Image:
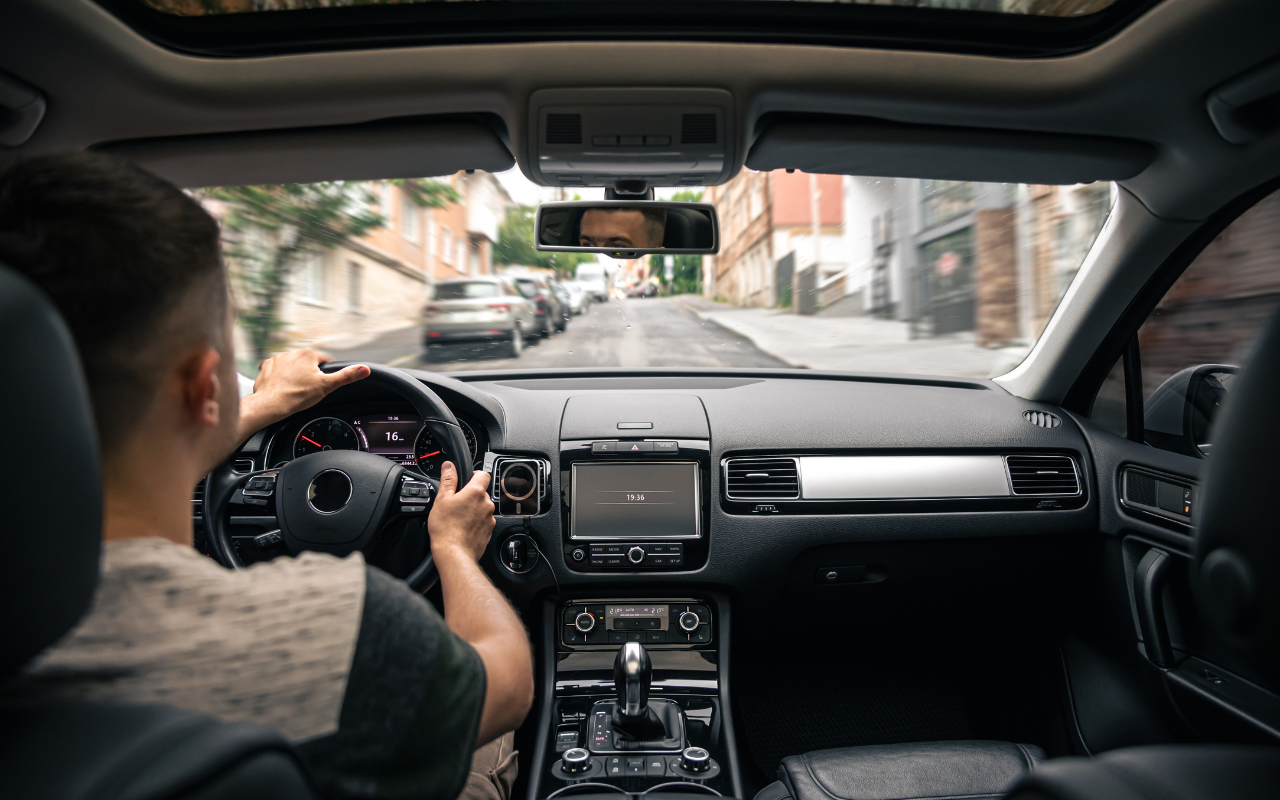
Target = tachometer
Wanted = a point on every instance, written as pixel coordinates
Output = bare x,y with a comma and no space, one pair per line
429,453
325,433
472,444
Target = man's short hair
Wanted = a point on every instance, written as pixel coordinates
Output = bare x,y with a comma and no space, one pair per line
655,221
132,263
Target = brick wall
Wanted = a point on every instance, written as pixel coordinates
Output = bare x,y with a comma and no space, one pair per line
996,277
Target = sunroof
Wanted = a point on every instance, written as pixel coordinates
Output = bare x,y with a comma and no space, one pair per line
1039,8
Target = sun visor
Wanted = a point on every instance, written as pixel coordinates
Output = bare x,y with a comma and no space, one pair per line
876,147
372,151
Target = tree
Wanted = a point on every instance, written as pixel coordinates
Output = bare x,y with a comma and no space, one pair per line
516,245
687,272
272,229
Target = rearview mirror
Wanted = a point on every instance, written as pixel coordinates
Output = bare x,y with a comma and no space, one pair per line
628,228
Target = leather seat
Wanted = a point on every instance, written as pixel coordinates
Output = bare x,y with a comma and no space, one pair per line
51,492
974,770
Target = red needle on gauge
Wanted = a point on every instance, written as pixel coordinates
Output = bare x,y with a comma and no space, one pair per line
313,441
429,455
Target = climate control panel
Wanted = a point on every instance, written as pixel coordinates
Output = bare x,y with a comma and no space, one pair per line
651,623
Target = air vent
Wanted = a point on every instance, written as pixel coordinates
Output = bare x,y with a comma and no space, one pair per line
1042,419
698,129
1043,475
197,500
242,465
762,479
564,129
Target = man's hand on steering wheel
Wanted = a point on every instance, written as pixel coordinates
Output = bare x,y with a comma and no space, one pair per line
461,519
287,384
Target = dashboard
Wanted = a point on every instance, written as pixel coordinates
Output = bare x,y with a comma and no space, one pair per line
391,430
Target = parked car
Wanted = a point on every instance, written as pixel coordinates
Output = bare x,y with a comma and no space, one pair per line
478,309
579,300
546,305
562,294
643,290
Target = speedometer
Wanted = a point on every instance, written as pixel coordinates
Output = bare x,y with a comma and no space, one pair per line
429,453
472,444
325,433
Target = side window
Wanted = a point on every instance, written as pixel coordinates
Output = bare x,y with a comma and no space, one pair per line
1200,334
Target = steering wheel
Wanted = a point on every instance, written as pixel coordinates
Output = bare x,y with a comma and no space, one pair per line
338,501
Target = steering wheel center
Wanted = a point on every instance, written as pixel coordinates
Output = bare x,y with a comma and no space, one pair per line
330,491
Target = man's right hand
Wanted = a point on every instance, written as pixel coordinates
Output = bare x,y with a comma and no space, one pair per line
461,519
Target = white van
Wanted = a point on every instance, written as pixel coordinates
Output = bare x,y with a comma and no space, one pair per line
594,280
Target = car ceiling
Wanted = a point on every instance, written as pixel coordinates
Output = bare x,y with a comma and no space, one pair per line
106,84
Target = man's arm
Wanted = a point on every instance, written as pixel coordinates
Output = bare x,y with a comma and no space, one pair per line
460,525
288,383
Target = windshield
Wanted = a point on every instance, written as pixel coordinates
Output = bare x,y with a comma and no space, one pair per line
464,291
829,272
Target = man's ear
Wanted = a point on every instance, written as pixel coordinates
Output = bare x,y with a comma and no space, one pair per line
201,386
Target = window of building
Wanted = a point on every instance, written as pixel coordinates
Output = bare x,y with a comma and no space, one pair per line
446,247
311,279
386,197
943,200
353,286
410,216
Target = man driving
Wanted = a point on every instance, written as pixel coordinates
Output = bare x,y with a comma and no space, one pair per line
381,695
623,228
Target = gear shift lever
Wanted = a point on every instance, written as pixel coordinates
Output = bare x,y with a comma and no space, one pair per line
632,717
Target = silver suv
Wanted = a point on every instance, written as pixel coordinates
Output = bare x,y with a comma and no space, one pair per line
477,310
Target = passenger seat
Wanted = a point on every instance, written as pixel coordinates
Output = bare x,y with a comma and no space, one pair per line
974,770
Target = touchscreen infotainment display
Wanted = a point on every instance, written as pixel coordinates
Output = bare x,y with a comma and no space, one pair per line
635,501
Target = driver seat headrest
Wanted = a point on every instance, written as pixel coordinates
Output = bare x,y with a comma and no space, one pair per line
50,482
1237,537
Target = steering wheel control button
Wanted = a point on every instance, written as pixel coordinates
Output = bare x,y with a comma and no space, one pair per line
415,492
518,553
635,555
263,485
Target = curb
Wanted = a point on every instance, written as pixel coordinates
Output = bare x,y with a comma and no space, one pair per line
698,313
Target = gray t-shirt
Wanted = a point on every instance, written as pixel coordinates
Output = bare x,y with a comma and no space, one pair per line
360,672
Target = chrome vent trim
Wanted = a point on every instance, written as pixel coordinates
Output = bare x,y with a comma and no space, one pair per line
242,465
762,478
1042,419
197,500
1055,476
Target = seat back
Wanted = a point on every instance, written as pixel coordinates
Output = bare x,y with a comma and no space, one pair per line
1237,536
50,487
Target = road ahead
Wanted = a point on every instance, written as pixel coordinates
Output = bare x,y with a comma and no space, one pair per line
619,333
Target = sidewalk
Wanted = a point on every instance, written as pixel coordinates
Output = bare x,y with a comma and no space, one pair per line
862,344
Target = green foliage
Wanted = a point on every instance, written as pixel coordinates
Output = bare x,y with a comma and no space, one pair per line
516,245
272,229
687,196
686,275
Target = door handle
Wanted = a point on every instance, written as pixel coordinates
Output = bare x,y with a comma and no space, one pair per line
1149,580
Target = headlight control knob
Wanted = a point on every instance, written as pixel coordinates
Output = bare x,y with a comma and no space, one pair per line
585,622
635,555
576,760
688,622
695,759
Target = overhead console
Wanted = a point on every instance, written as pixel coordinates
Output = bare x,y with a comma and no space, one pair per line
879,483
635,478
656,137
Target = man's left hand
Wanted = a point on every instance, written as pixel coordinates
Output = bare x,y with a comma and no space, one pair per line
288,383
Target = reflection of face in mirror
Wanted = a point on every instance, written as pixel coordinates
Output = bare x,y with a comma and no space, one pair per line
623,228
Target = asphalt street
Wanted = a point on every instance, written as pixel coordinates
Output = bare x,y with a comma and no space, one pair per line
636,332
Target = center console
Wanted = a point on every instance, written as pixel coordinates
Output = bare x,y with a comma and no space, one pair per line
639,698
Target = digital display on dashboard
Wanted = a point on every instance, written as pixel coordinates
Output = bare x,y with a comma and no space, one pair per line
642,616
635,501
389,435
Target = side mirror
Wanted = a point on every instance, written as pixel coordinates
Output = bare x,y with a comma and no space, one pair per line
627,228
1179,414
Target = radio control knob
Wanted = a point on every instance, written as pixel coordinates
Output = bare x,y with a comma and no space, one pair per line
688,622
585,622
575,761
635,555
695,759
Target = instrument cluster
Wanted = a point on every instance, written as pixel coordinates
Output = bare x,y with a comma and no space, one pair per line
390,433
